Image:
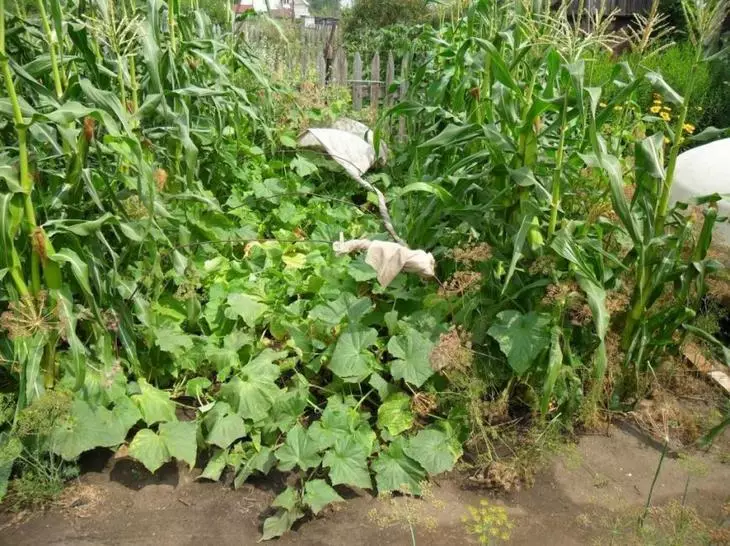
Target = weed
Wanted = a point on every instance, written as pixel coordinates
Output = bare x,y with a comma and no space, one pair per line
407,512
488,523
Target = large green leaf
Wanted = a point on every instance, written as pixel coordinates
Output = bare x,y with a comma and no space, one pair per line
226,430
216,465
280,523
348,465
394,415
318,494
173,340
252,394
351,359
395,471
412,353
346,305
245,307
299,449
149,449
89,427
521,337
154,404
432,450
180,439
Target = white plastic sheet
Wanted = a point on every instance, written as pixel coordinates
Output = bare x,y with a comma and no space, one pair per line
705,170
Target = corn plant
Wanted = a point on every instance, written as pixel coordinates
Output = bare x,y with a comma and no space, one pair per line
525,157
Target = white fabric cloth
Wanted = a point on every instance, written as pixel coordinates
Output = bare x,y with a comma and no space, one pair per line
389,259
354,154
364,132
705,170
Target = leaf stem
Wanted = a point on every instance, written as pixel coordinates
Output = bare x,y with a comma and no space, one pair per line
558,173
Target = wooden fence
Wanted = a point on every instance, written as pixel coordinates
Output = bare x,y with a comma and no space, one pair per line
376,82
372,83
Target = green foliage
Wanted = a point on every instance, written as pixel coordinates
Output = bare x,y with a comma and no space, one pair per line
538,137
709,80
325,8
160,236
366,14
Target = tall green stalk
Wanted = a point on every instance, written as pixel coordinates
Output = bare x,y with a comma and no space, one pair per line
133,84
52,47
26,182
171,13
558,173
661,211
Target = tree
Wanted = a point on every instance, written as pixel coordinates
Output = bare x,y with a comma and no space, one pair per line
382,13
325,8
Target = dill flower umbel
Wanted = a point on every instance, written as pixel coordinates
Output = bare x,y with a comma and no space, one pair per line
475,253
460,283
488,523
29,316
452,352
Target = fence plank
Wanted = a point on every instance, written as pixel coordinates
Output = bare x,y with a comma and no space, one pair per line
375,81
389,77
402,95
321,70
304,64
341,67
357,83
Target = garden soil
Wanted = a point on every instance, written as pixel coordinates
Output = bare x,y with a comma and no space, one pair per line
581,497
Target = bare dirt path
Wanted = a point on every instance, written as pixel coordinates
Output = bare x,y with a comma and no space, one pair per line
588,494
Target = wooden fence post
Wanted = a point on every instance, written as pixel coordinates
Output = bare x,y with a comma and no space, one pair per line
341,67
321,70
389,77
375,82
357,83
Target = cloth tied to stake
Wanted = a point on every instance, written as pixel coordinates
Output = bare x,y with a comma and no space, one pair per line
389,259
351,145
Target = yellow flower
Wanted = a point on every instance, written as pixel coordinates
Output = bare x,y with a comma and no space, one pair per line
618,107
666,109
665,116
657,101
689,128
666,140
602,104
655,109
